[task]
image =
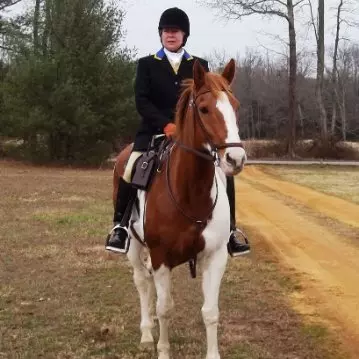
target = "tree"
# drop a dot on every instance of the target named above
(35, 32)
(5, 25)
(319, 36)
(69, 92)
(338, 88)
(236, 9)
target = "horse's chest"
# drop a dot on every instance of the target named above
(217, 230)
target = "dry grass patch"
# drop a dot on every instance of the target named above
(63, 296)
(338, 181)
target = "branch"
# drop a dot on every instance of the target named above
(8, 4)
(236, 9)
(277, 38)
(313, 22)
(281, 2)
(6, 48)
(298, 3)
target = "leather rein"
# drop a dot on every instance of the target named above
(211, 155)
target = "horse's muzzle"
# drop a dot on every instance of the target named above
(234, 160)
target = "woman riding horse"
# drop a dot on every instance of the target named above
(157, 90)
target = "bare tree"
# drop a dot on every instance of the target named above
(35, 30)
(236, 9)
(334, 75)
(217, 60)
(345, 58)
(319, 36)
(339, 90)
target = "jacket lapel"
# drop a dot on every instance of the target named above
(163, 60)
(186, 62)
(168, 66)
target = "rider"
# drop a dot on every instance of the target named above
(157, 90)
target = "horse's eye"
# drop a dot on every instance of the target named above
(204, 110)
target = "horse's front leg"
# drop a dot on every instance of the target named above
(144, 284)
(213, 270)
(162, 278)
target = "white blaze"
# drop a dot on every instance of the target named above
(236, 153)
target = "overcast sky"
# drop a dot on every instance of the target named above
(210, 33)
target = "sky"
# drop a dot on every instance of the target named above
(210, 32)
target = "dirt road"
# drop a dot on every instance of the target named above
(329, 263)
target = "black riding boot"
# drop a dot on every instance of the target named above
(235, 247)
(118, 240)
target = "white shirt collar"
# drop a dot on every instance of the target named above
(175, 57)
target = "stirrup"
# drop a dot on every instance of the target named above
(127, 241)
(241, 233)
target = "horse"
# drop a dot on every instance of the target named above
(185, 214)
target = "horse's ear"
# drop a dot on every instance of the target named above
(229, 71)
(198, 74)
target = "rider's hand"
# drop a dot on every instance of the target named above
(169, 129)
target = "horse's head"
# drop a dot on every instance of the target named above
(215, 112)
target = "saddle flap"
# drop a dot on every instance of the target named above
(146, 165)
(144, 169)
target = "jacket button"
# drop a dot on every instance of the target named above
(176, 83)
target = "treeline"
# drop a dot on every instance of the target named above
(66, 89)
(66, 80)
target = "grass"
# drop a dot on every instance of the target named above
(337, 181)
(62, 296)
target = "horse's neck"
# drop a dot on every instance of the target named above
(193, 175)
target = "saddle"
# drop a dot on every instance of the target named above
(147, 165)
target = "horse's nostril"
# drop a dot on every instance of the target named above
(231, 160)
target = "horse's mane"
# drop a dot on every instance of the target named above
(184, 121)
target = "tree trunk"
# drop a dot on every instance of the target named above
(251, 120)
(292, 80)
(36, 27)
(335, 70)
(47, 27)
(320, 73)
(301, 118)
(343, 115)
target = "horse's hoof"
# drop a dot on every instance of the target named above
(147, 347)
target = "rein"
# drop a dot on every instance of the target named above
(210, 156)
(200, 222)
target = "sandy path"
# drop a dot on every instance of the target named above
(330, 263)
(330, 206)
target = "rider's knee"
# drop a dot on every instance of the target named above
(129, 166)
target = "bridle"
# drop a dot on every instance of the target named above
(212, 156)
(214, 148)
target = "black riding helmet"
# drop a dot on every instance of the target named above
(175, 18)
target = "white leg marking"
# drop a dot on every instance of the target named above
(213, 271)
(162, 279)
(145, 287)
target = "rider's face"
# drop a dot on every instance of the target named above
(172, 38)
